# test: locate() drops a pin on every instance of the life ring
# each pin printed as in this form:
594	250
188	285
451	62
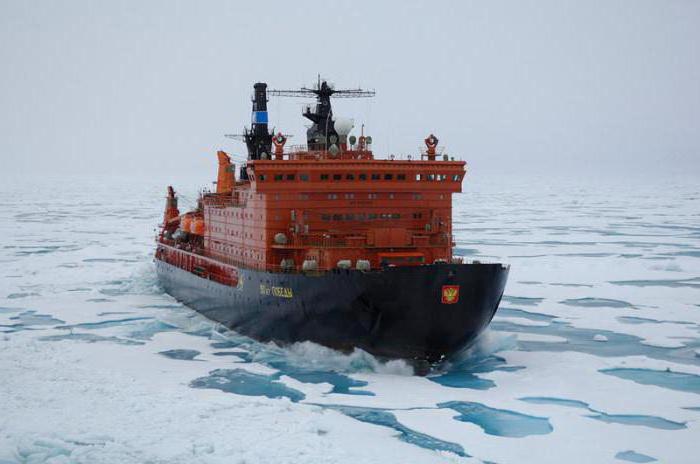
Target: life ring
279	140
431	141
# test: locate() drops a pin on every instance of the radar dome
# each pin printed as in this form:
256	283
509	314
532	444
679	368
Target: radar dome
343	126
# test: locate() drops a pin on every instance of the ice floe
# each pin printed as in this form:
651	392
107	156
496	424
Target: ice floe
100	366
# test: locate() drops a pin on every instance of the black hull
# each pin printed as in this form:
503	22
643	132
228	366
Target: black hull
394	313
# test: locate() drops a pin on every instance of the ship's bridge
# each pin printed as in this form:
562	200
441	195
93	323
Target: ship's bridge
356	175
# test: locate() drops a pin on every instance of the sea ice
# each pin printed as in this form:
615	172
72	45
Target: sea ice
100	366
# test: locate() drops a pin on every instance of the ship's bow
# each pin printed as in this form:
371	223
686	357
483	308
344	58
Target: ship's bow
431	312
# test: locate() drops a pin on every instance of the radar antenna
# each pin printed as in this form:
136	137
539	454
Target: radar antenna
323	129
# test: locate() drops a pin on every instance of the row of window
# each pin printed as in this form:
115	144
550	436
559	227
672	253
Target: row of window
371	196
236	251
227	212
232	232
361	176
350	196
365	216
324	217
232	213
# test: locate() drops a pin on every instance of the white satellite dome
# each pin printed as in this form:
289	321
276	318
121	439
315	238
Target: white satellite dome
343	126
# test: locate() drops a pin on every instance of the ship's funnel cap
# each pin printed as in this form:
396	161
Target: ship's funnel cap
343	126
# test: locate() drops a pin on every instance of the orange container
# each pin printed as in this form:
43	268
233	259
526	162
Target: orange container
186	223
197	227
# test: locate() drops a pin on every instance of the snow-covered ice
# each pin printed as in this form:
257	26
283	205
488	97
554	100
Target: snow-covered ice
593	356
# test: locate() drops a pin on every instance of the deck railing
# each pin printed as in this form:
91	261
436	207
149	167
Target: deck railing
216	261
301	152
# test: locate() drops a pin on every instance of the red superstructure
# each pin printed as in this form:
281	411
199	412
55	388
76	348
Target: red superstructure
314	207
319	209
309	206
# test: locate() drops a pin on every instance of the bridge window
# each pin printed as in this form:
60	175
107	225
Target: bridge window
337	176
419	177
290	176
324	176
304	177
332	196
401	177
350	177
337	217
349	196
376	176
362	176
388	176
456	177
261	177
349	217
325	217
278	177
371	216
372	196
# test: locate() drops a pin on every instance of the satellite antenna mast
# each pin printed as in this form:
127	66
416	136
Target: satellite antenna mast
323	130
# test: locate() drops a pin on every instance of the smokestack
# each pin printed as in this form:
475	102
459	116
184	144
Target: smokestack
259	115
259	140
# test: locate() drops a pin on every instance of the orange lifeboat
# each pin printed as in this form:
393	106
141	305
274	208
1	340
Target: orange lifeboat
186	223
197	226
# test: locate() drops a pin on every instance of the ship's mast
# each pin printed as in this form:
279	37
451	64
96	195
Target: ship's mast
322	133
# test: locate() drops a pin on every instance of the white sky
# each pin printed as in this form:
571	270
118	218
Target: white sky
535	86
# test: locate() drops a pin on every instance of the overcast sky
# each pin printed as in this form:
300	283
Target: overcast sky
538	86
